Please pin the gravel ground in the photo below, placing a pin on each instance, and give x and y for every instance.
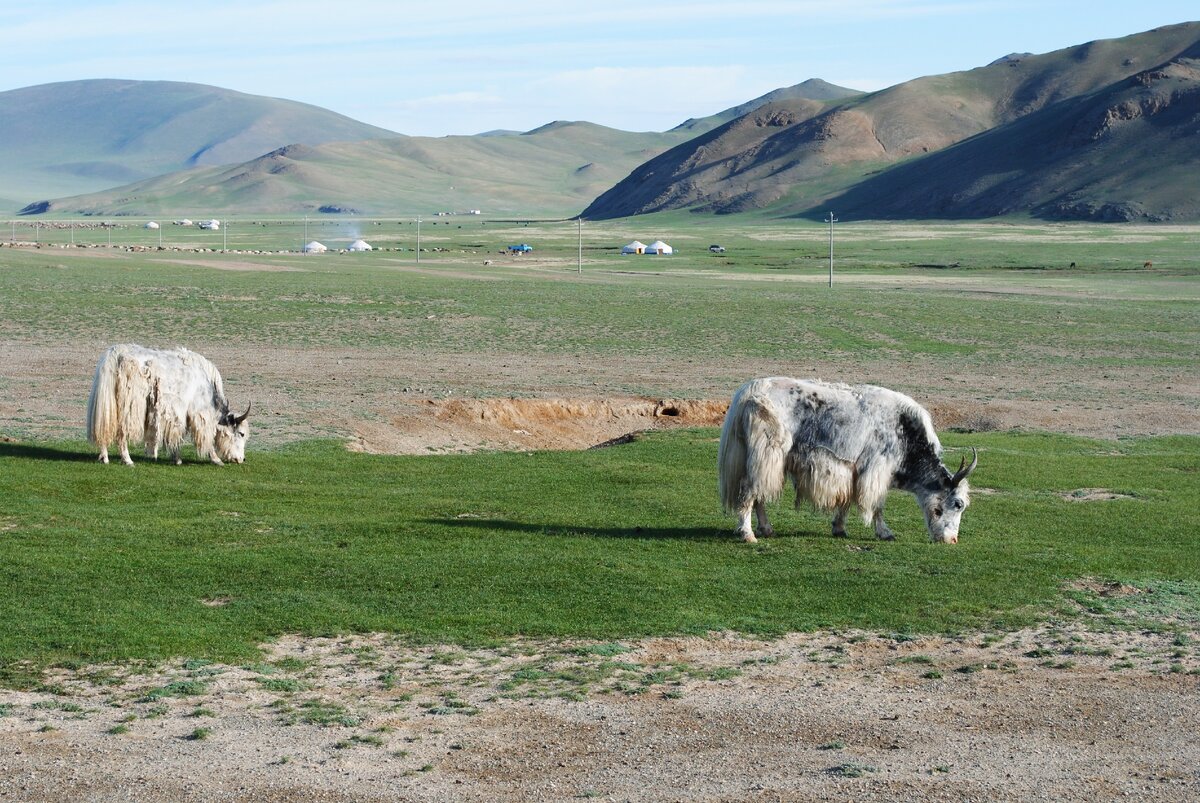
(1034, 715)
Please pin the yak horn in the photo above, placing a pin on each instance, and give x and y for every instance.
(239, 419)
(964, 470)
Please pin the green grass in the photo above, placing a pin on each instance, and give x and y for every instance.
(608, 545)
(605, 545)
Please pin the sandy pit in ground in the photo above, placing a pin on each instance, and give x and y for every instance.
(808, 717)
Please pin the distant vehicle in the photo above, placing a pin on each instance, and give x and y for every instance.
(523, 248)
(211, 225)
(717, 249)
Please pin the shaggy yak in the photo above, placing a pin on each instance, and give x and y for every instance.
(841, 445)
(159, 396)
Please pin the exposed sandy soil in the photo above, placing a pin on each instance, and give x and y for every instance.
(1040, 716)
(1034, 715)
(415, 402)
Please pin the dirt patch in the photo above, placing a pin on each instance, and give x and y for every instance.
(390, 399)
(225, 264)
(1045, 714)
(1093, 495)
(1105, 588)
(526, 424)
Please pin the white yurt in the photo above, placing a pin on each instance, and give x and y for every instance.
(634, 247)
(359, 245)
(151, 225)
(315, 248)
(659, 247)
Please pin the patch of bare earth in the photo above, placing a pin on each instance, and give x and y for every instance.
(1041, 714)
(412, 401)
(524, 424)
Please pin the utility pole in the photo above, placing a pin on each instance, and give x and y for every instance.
(418, 239)
(831, 220)
(579, 228)
(305, 243)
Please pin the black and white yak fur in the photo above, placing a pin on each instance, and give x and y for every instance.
(158, 397)
(841, 445)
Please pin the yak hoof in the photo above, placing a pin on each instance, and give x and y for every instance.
(840, 534)
(766, 532)
(748, 537)
(886, 535)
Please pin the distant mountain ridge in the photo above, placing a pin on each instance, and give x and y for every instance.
(1107, 130)
(78, 136)
(551, 171)
(792, 157)
(554, 169)
(812, 89)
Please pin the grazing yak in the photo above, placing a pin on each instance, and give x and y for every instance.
(841, 445)
(159, 396)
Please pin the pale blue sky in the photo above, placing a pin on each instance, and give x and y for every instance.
(467, 66)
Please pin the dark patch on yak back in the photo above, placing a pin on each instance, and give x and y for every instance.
(920, 466)
(219, 403)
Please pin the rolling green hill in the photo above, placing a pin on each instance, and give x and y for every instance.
(553, 170)
(79, 136)
(791, 157)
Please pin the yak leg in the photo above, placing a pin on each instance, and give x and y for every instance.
(839, 522)
(882, 531)
(216, 460)
(764, 526)
(743, 515)
(124, 447)
(104, 453)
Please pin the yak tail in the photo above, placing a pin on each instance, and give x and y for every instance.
(102, 401)
(117, 402)
(753, 450)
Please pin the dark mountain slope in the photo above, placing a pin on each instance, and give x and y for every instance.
(1127, 152)
(799, 159)
(812, 89)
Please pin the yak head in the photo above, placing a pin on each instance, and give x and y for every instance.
(945, 500)
(231, 436)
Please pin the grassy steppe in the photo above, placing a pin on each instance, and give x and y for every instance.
(103, 563)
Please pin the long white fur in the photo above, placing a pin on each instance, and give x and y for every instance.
(156, 396)
(834, 463)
